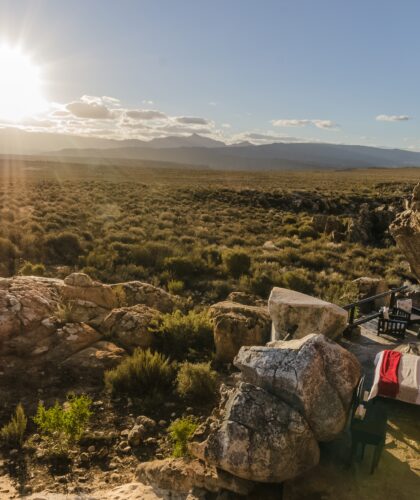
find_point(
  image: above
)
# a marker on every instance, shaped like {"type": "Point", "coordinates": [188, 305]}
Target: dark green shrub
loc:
{"type": "Point", "coordinates": [180, 432]}
{"type": "Point", "coordinates": [29, 269]}
{"type": "Point", "coordinates": [141, 374]}
{"type": "Point", "coordinates": [196, 381]}
{"type": "Point", "coordinates": [63, 248]}
{"type": "Point", "coordinates": [13, 432]}
{"type": "Point", "coordinates": [237, 262]}
{"type": "Point", "coordinates": [175, 286]}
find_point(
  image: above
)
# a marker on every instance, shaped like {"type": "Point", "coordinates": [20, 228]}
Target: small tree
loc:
{"type": "Point", "coordinates": [180, 432]}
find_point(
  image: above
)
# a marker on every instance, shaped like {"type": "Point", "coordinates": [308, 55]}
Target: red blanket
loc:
{"type": "Point", "coordinates": [388, 375]}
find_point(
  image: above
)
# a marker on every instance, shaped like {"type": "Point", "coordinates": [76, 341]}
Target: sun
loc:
{"type": "Point", "coordinates": [20, 85]}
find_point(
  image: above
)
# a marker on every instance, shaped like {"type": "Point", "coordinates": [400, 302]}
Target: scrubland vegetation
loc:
{"type": "Point", "coordinates": [199, 234]}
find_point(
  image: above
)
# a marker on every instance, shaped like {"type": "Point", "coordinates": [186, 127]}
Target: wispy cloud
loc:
{"type": "Point", "coordinates": [304, 122]}
{"type": "Point", "coordinates": [145, 114]}
{"type": "Point", "coordinates": [392, 118]}
{"type": "Point", "coordinates": [192, 120]}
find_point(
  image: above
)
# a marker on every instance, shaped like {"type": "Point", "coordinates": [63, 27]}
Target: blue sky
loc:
{"type": "Point", "coordinates": [294, 70]}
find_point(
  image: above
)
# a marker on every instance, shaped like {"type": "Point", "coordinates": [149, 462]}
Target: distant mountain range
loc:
{"type": "Point", "coordinates": [202, 151]}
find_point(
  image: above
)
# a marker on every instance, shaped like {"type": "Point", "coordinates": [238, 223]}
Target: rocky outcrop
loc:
{"type": "Point", "coordinates": [236, 325]}
{"type": "Point", "coordinates": [406, 231]}
{"type": "Point", "coordinates": [314, 375]}
{"type": "Point", "coordinates": [182, 475]}
{"type": "Point", "coordinates": [129, 326]}
{"type": "Point", "coordinates": [296, 315]}
{"type": "Point", "coordinates": [58, 325]}
{"type": "Point", "coordinates": [259, 438]}
{"type": "Point", "coordinates": [367, 287]}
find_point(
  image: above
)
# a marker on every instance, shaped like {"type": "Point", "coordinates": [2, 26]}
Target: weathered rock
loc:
{"type": "Point", "coordinates": [296, 314]}
{"type": "Point", "coordinates": [130, 326]}
{"type": "Point", "coordinates": [406, 231]}
{"type": "Point", "coordinates": [181, 475]}
{"type": "Point", "coordinates": [25, 301]}
{"type": "Point", "coordinates": [83, 311]}
{"type": "Point", "coordinates": [79, 286]}
{"type": "Point", "coordinates": [136, 292]}
{"type": "Point", "coordinates": [92, 361]}
{"type": "Point", "coordinates": [258, 438]}
{"type": "Point", "coordinates": [236, 325]}
{"type": "Point", "coordinates": [314, 375]}
{"type": "Point", "coordinates": [368, 287]}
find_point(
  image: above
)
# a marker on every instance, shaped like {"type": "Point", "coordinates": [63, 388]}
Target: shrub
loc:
{"type": "Point", "coordinates": [180, 432]}
{"type": "Point", "coordinates": [196, 381]}
{"type": "Point", "coordinates": [141, 374]}
{"type": "Point", "coordinates": [29, 269]}
{"type": "Point", "coordinates": [237, 262]}
{"type": "Point", "coordinates": [179, 335]}
{"type": "Point", "coordinates": [64, 424]}
{"type": "Point", "coordinates": [13, 432]}
{"type": "Point", "coordinates": [297, 280]}
{"type": "Point", "coordinates": [63, 248]}
{"type": "Point", "coordinates": [8, 254]}
{"type": "Point", "coordinates": [175, 286]}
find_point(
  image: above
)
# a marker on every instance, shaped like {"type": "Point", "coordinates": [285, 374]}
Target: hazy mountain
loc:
{"type": "Point", "coordinates": [265, 157]}
{"type": "Point", "coordinates": [202, 151]}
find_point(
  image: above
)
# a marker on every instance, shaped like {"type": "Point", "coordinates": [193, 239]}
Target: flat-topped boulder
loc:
{"type": "Point", "coordinates": [296, 315]}
{"type": "Point", "coordinates": [258, 437]}
{"type": "Point", "coordinates": [314, 375]}
{"type": "Point", "coordinates": [236, 325]}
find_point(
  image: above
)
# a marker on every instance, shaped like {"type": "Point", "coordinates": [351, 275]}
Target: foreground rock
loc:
{"type": "Point", "coordinates": [258, 438]}
{"type": "Point", "coordinates": [406, 231]}
{"type": "Point", "coordinates": [181, 475]}
{"type": "Point", "coordinates": [58, 325]}
{"type": "Point", "coordinates": [130, 326]}
{"type": "Point", "coordinates": [236, 325]}
{"type": "Point", "coordinates": [296, 315]}
{"type": "Point", "coordinates": [314, 375]}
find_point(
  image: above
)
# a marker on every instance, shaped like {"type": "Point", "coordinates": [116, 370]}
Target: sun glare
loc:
{"type": "Point", "coordinates": [20, 85]}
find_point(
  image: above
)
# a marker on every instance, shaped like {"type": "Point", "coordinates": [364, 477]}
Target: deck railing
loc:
{"type": "Point", "coordinates": [351, 308]}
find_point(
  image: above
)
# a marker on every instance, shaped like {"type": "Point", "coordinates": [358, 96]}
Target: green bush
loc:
{"type": "Point", "coordinates": [13, 432]}
{"type": "Point", "coordinates": [62, 425]}
{"type": "Point", "coordinates": [180, 432]}
{"type": "Point", "coordinates": [180, 335]}
{"type": "Point", "coordinates": [237, 262]}
{"type": "Point", "coordinates": [196, 381]}
{"type": "Point", "coordinates": [29, 269]}
{"type": "Point", "coordinates": [141, 374]}
{"type": "Point", "coordinates": [175, 286]}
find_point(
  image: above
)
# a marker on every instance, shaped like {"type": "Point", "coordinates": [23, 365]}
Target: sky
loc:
{"type": "Point", "coordinates": [327, 70]}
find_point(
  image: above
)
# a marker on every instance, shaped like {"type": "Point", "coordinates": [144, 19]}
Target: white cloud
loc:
{"type": "Point", "coordinates": [192, 120]}
{"type": "Point", "coordinates": [149, 103]}
{"type": "Point", "coordinates": [145, 114]}
{"type": "Point", "coordinates": [90, 107]}
{"type": "Point", "coordinates": [392, 118]}
{"type": "Point", "coordinates": [323, 124]}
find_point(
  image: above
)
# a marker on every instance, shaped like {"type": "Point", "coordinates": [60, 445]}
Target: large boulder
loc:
{"type": "Point", "coordinates": [182, 475]}
{"type": "Point", "coordinates": [406, 231]}
{"type": "Point", "coordinates": [258, 438]}
{"type": "Point", "coordinates": [296, 315]}
{"type": "Point", "coordinates": [130, 326]}
{"type": "Point", "coordinates": [314, 375]}
{"type": "Point", "coordinates": [236, 325]}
